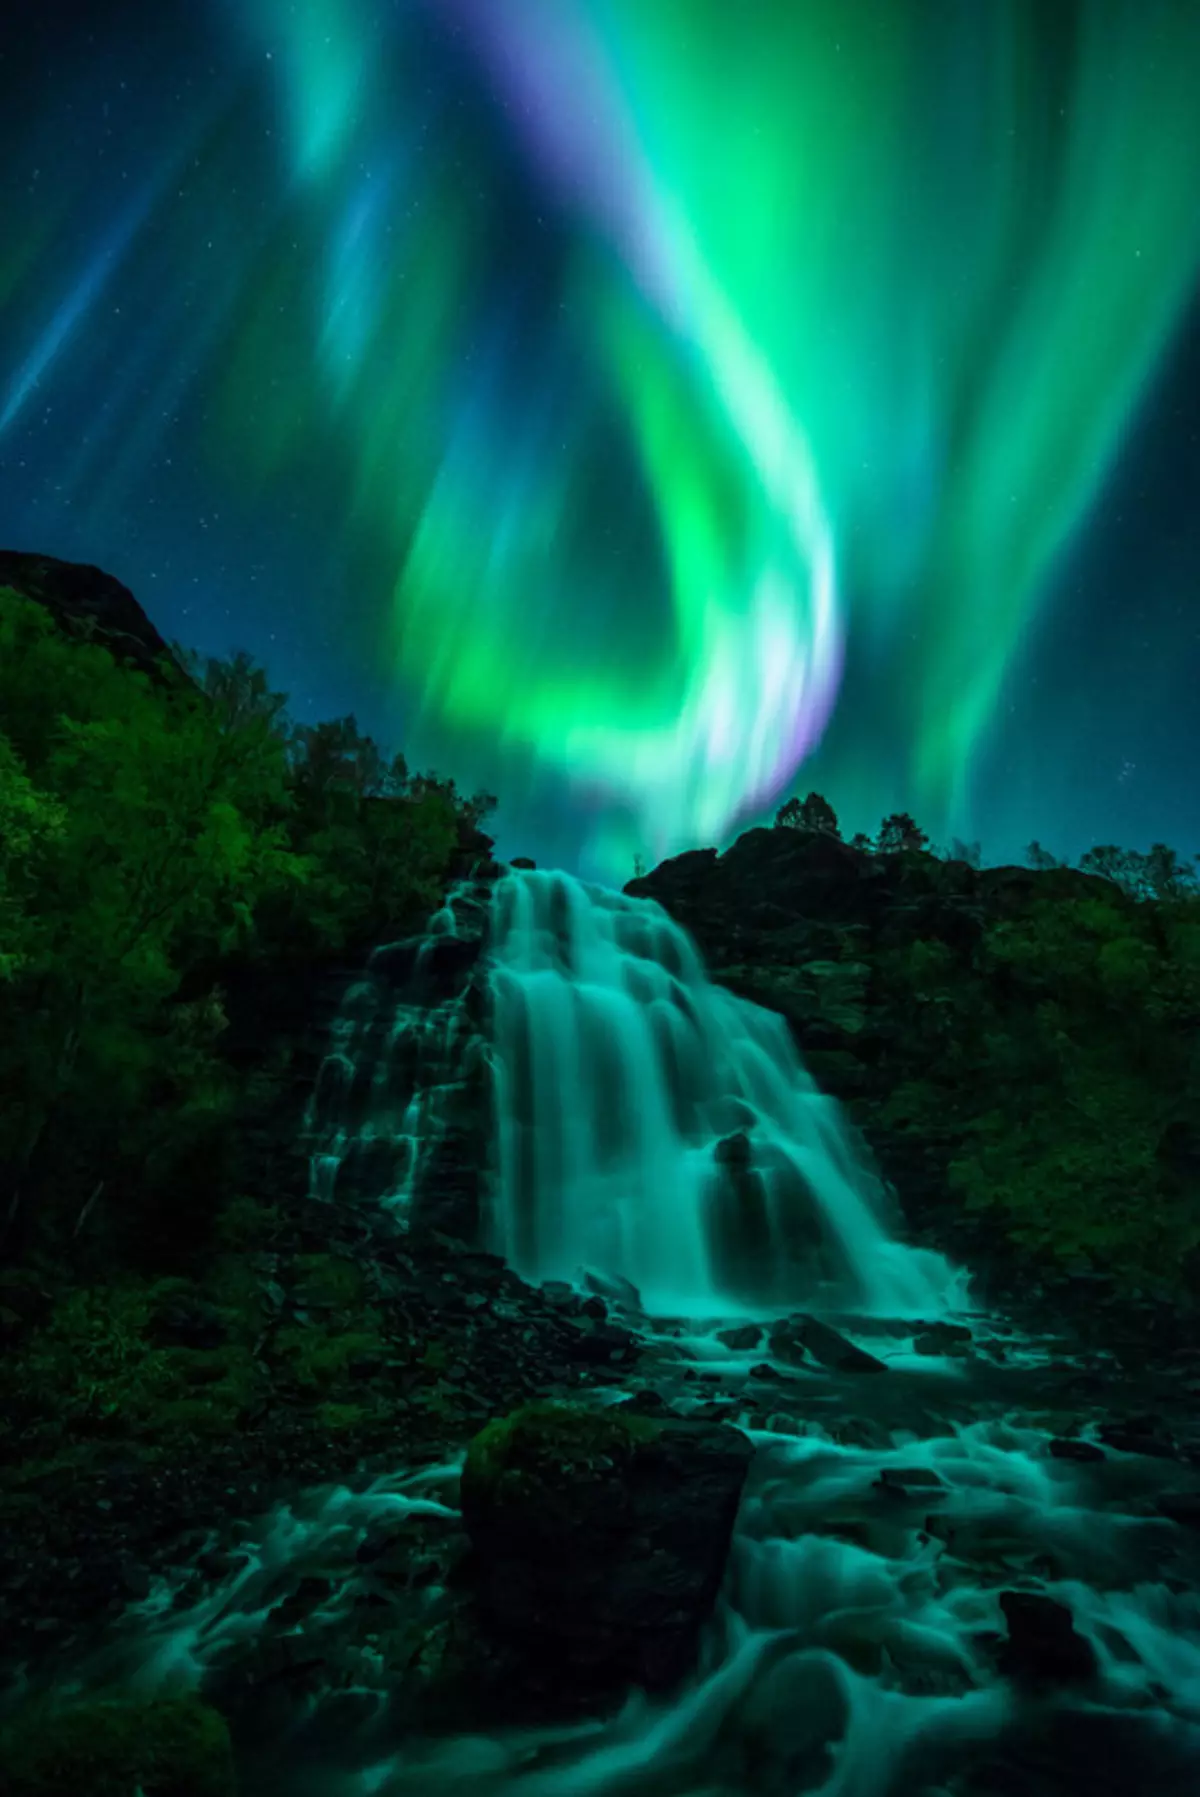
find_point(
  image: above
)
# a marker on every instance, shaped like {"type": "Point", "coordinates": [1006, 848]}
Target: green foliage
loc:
{"type": "Point", "coordinates": [95, 1369]}
{"type": "Point", "coordinates": [1052, 1063]}
{"type": "Point", "coordinates": [172, 1747]}
{"type": "Point", "coordinates": [812, 813]}
{"type": "Point", "coordinates": [147, 830]}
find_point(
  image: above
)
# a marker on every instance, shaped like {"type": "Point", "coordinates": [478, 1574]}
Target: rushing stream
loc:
{"type": "Point", "coordinates": [662, 1134]}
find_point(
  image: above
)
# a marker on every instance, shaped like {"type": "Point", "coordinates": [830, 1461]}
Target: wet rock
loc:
{"type": "Point", "coordinates": [188, 1322]}
{"type": "Point", "coordinates": [620, 1292]}
{"type": "Point", "coordinates": [825, 1345]}
{"type": "Point", "coordinates": [600, 1539]}
{"type": "Point", "coordinates": [902, 1481]}
{"type": "Point", "coordinates": [604, 1342]}
{"type": "Point", "coordinates": [1043, 1643]}
{"type": "Point", "coordinates": [942, 1339]}
{"type": "Point", "coordinates": [560, 1295]}
{"type": "Point", "coordinates": [744, 1336]}
{"type": "Point", "coordinates": [733, 1151]}
{"type": "Point", "coordinates": [1070, 1448]}
{"type": "Point", "coordinates": [649, 1403]}
{"type": "Point", "coordinates": [1182, 1507]}
{"type": "Point", "coordinates": [1138, 1435]}
{"type": "Point", "coordinates": [780, 1423]}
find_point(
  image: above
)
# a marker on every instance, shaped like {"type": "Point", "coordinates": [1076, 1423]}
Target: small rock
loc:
{"type": "Point", "coordinates": [1070, 1448]}
{"type": "Point", "coordinates": [733, 1151]}
{"type": "Point", "coordinates": [1136, 1436]}
{"type": "Point", "coordinates": [604, 1342]}
{"type": "Point", "coordinates": [1182, 1507]}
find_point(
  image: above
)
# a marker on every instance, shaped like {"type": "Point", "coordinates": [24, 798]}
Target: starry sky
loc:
{"type": "Point", "coordinates": [643, 409]}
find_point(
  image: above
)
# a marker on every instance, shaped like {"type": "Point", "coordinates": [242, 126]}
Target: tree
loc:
{"type": "Point", "coordinates": [236, 686]}
{"type": "Point", "coordinates": [862, 842]}
{"type": "Point", "coordinates": [898, 832]}
{"type": "Point", "coordinates": [813, 813]}
{"type": "Point", "coordinates": [31, 823]}
{"type": "Point", "coordinates": [970, 852]}
{"type": "Point", "coordinates": [1039, 858]}
{"type": "Point", "coordinates": [1167, 874]}
{"type": "Point", "coordinates": [145, 836]}
{"type": "Point", "coordinates": [1126, 868]}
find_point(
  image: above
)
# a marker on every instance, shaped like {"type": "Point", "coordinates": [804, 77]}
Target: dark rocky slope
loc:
{"type": "Point", "coordinates": [89, 604]}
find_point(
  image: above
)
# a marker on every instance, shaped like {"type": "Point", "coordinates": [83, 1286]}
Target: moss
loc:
{"type": "Point", "coordinates": [514, 1453]}
{"type": "Point", "coordinates": [329, 1279]}
{"type": "Point", "coordinates": [320, 1358]}
{"type": "Point", "coordinates": [171, 1747]}
{"type": "Point", "coordinates": [344, 1419]}
{"type": "Point", "coordinates": [243, 1223]}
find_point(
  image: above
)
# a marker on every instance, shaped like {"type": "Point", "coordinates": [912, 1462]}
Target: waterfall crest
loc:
{"type": "Point", "coordinates": [656, 1126]}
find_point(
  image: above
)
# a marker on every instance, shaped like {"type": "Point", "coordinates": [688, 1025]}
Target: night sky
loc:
{"type": "Point", "coordinates": [643, 409]}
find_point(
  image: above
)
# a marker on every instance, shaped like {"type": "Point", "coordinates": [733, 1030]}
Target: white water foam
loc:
{"type": "Point", "coordinates": [656, 1126]}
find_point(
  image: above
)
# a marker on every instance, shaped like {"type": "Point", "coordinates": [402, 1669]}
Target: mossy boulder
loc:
{"type": "Point", "coordinates": [600, 1538]}
{"type": "Point", "coordinates": [170, 1747]}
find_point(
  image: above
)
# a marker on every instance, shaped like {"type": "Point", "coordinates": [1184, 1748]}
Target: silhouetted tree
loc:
{"type": "Point", "coordinates": [1039, 858]}
{"type": "Point", "coordinates": [812, 813]}
{"type": "Point", "coordinates": [897, 832]}
{"type": "Point", "coordinates": [1167, 874]}
{"type": "Point", "coordinates": [237, 686]}
{"type": "Point", "coordinates": [970, 852]}
{"type": "Point", "coordinates": [861, 841]}
{"type": "Point", "coordinates": [1126, 868]}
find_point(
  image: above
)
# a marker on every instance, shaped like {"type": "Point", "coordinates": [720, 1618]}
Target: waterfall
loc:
{"type": "Point", "coordinates": [655, 1126]}
{"type": "Point", "coordinates": [402, 1050]}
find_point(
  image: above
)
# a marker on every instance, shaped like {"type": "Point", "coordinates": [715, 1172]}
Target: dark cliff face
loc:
{"type": "Point", "coordinates": [87, 603]}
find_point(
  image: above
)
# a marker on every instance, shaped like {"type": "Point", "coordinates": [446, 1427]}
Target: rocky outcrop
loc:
{"type": "Point", "coordinates": [600, 1539]}
{"type": "Point", "coordinates": [87, 603]}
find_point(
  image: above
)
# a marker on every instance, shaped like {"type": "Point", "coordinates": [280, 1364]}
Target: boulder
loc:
{"type": "Point", "coordinates": [600, 1539]}
{"type": "Point", "coordinates": [1043, 1644]}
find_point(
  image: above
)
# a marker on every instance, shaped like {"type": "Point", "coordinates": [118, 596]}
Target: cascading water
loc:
{"type": "Point", "coordinates": [655, 1126]}
{"type": "Point", "coordinates": [401, 1050]}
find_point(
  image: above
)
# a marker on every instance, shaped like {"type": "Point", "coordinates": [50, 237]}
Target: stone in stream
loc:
{"type": "Point", "coordinates": [1137, 1435]}
{"type": "Point", "coordinates": [952, 1339]}
{"type": "Point", "coordinates": [1043, 1643]}
{"type": "Point", "coordinates": [745, 1335]}
{"type": "Point", "coordinates": [802, 1336]}
{"type": "Point", "coordinates": [600, 1539]}
{"type": "Point", "coordinates": [1070, 1448]}
{"type": "Point", "coordinates": [1182, 1507]}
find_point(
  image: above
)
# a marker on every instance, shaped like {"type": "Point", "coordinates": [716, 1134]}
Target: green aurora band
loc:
{"type": "Point", "coordinates": [703, 350]}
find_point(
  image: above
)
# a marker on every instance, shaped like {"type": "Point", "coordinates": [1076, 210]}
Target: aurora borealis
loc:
{"type": "Point", "coordinates": [643, 408]}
